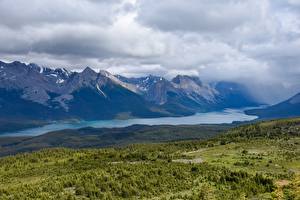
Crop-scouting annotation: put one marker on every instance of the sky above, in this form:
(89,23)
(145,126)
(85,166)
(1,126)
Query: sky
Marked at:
(255,42)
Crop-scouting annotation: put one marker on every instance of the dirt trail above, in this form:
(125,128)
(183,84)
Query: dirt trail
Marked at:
(189,161)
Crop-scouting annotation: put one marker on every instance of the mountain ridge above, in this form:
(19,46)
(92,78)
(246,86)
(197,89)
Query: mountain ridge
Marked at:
(60,93)
(287,108)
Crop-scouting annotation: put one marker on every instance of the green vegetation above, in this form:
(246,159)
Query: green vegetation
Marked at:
(7,125)
(260,161)
(108,137)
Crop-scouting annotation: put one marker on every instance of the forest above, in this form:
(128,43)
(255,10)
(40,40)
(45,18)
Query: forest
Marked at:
(256,161)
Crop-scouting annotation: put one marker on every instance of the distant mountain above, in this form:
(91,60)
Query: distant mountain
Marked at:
(288,108)
(190,94)
(233,95)
(35,92)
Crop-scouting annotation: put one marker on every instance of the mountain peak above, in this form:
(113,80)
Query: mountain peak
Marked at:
(105,73)
(88,71)
(185,78)
(17,63)
(36,67)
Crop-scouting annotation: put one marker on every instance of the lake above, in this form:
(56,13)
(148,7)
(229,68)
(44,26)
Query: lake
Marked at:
(226,116)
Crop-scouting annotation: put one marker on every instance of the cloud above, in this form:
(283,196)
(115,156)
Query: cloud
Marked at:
(18,13)
(240,40)
(294,2)
(197,15)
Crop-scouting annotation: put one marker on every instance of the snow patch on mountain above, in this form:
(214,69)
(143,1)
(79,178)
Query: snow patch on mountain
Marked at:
(98,88)
(60,81)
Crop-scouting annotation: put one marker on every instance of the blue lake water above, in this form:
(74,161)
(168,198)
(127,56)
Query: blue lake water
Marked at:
(226,116)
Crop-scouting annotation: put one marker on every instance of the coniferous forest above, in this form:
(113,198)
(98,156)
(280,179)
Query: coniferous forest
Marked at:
(257,161)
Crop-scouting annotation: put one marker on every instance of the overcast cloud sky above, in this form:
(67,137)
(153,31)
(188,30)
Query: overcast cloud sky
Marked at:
(256,42)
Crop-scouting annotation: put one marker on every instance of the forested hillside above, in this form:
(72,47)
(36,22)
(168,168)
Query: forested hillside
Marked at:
(259,161)
(108,137)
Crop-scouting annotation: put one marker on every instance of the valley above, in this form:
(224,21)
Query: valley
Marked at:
(149,100)
(256,161)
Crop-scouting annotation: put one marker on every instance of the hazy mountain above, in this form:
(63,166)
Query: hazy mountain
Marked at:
(288,108)
(233,95)
(35,92)
(173,97)
(190,94)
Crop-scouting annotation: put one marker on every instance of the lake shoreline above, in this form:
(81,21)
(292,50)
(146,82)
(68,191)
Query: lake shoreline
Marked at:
(226,116)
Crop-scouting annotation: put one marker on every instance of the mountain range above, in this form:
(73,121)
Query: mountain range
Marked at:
(29,91)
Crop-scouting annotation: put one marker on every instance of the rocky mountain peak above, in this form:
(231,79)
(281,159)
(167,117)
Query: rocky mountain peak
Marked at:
(105,73)
(88,71)
(185,79)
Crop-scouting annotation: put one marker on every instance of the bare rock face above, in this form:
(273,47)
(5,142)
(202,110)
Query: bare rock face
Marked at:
(195,89)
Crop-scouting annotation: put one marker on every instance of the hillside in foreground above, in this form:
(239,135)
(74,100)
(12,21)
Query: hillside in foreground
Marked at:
(259,161)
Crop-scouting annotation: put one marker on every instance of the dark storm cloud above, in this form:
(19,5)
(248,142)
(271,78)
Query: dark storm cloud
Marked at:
(237,40)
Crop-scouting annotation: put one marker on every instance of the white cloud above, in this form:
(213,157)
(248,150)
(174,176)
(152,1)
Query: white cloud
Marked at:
(241,40)
(197,15)
(294,2)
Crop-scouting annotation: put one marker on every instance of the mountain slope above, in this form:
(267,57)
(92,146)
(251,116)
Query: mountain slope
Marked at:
(257,161)
(233,95)
(14,107)
(288,108)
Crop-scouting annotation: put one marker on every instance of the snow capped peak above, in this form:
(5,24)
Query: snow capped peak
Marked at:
(66,72)
(36,68)
(105,73)
(62,72)
(88,69)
